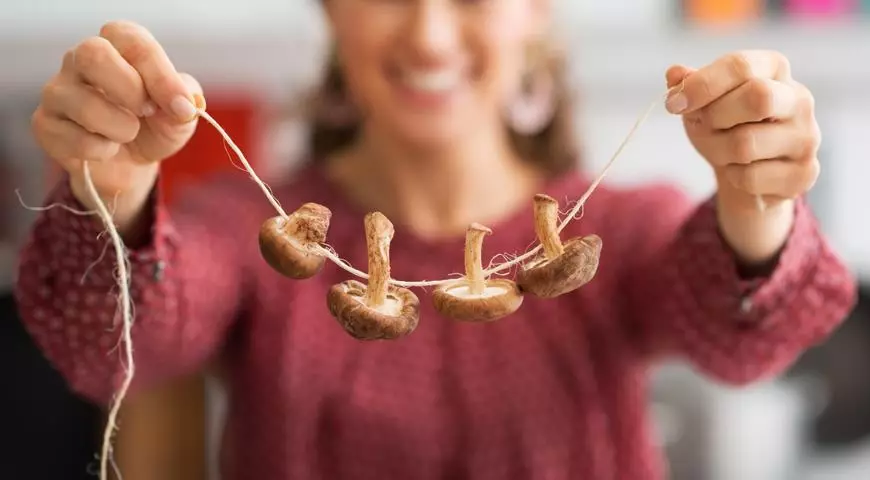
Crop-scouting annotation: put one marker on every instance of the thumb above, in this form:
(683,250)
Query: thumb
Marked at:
(161,134)
(193,95)
(677,74)
(195,90)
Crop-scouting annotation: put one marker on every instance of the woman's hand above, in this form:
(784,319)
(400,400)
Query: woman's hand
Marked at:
(118,102)
(756,126)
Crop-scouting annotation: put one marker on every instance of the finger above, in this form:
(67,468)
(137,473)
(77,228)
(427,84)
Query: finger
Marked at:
(67,142)
(141,50)
(726,74)
(756,100)
(162,127)
(676,74)
(91,110)
(750,142)
(194,87)
(96,62)
(777,177)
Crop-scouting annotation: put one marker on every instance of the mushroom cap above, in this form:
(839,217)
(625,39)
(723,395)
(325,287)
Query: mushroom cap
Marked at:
(282,241)
(575,267)
(500,298)
(397,318)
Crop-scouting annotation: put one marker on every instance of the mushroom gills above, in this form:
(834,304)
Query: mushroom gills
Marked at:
(475,298)
(377,310)
(396,317)
(464,291)
(392,306)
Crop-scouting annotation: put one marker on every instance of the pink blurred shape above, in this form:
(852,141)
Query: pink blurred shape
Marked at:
(820,8)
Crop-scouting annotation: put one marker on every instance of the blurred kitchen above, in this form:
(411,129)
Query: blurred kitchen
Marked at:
(257,58)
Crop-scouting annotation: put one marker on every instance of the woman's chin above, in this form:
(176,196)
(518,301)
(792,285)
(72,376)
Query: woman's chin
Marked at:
(431,136)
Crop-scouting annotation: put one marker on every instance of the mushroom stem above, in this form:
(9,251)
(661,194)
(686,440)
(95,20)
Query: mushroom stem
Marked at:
(547,225)
(473,257)
(379,234)
(308,224)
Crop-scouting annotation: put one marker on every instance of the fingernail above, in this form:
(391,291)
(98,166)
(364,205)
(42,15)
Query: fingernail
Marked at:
(677,103)
(183,108)
(149,109)
(199,101)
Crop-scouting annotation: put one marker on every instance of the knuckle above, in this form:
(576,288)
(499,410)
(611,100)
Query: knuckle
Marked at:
(811,143)
(812,172)
(706,88)
(69,59)
(91,53)
(740,65)
(111,28)
(743,145)
(90,112)
(782,60)
(131,39)
(118,28)
(165,83)
(97,115)
(806,100)
(136,51)
(50,92)
(760,97)
(37,123)
(777,61)
(803,176)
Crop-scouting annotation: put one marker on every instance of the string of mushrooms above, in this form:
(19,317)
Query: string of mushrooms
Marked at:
(379,310)
(382,308)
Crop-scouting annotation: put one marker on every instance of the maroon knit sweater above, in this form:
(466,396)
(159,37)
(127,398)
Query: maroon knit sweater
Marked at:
(556,391)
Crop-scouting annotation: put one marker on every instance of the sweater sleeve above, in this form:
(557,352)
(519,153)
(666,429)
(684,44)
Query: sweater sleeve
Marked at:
(685,296)
(185,287)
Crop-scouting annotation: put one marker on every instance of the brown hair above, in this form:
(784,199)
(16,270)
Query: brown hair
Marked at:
(554,148)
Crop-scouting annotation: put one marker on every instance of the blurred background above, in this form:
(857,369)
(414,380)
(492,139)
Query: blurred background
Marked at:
(257,58)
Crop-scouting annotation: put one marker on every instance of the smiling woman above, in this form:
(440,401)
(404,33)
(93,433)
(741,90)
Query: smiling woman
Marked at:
(431,133)
(538,115)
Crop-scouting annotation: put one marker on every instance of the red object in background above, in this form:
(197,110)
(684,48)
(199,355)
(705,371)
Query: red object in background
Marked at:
(207,153)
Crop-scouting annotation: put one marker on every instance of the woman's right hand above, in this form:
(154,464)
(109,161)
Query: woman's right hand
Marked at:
(119,103)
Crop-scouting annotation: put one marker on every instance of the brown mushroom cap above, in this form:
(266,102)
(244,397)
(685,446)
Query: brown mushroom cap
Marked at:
(397,317)
(500,298)
(283,240)
(575,267)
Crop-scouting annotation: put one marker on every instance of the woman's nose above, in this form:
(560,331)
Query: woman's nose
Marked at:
(434,29)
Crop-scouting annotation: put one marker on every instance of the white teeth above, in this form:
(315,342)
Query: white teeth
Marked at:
(436,81)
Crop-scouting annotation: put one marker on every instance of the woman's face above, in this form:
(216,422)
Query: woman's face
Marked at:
(430,71)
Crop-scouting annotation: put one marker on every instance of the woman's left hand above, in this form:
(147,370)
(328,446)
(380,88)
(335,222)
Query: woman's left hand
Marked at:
(756,126)
(752,122)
